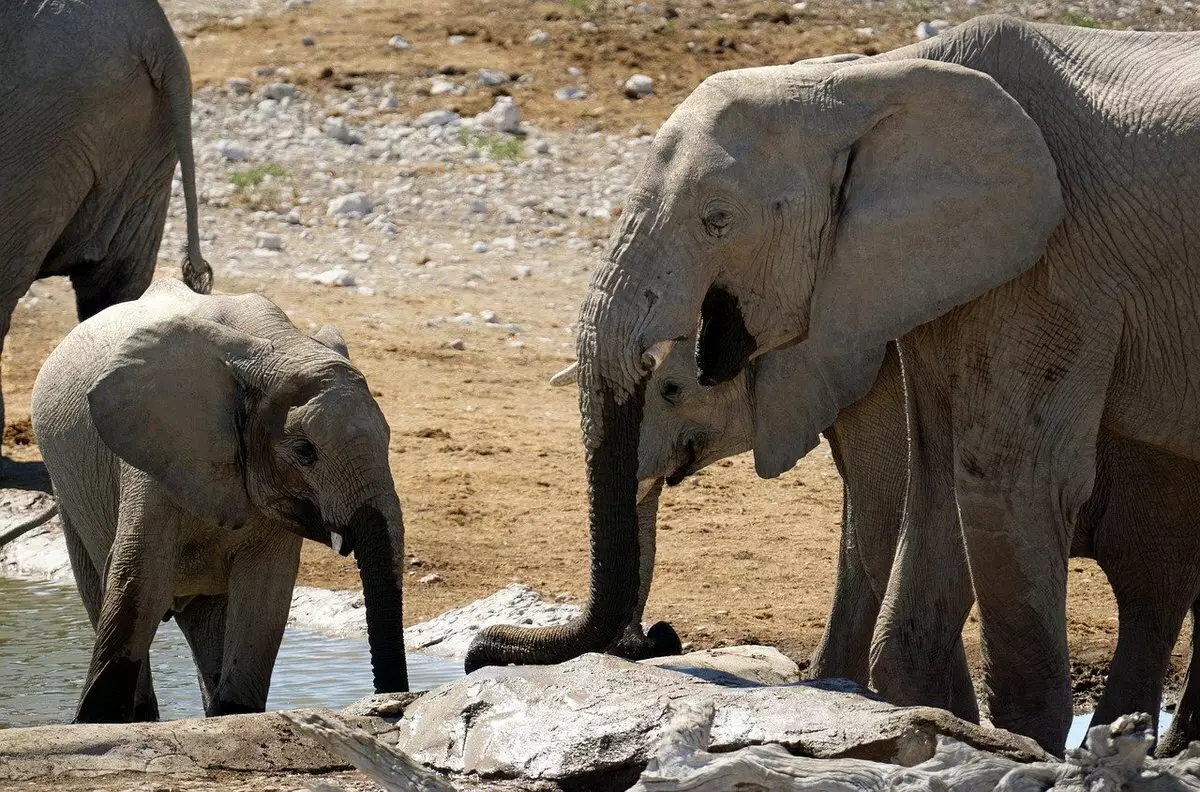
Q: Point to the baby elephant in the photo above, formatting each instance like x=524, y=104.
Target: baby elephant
x=193, y=441
x=1138, y=523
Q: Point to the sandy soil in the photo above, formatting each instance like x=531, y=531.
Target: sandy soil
x=486, y=455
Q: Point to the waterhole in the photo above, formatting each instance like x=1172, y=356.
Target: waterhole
x=46, y=643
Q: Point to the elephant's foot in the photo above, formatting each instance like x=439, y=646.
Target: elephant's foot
x=109, y=695
x=224, y=707
x=660, y=640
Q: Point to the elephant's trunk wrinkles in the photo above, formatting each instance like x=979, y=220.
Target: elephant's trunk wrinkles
x=377, y=531
x=612, y=491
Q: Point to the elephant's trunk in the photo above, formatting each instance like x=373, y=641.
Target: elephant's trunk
x=377, y=533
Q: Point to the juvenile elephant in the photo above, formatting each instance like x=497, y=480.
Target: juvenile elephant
x=95, y=109
x=974, y=197
x=1139, y=523
x=193, y=441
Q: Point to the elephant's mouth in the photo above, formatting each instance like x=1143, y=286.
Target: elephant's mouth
x=689, y=465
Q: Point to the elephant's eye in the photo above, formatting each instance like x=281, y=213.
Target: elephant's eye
x=671, y=392
x=304, y=451
x=716, y=221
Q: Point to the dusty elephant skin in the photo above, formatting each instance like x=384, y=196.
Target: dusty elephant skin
x=810, y=196
x=91, y=135
x=193, y=442
x=608, y=713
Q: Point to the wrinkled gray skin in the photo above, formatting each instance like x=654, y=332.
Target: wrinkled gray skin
x=192, y=442
x=973, y=197
x=89, y=136
x=1139, y=524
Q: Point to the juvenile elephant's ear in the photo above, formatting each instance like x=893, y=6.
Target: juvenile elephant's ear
x=798, y=393
x=166, y=404
x=329, y=336
x=949, y=191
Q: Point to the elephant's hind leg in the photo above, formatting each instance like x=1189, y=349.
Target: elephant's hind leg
x=1185, y=726
x=202, y=623
x=128, y=266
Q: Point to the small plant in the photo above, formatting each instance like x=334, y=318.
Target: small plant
x=260, y=186
x=1079, y=20
x=497, y=147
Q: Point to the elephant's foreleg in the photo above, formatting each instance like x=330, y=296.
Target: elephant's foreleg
x=1185, y=725
x=202, y=623
x=260, y=594
x=137, y=592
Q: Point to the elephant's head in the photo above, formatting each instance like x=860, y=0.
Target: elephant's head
x=837, y=203
x=274, y=423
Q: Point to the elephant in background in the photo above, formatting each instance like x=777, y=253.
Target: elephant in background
x=90, y=133
x=192, y=442
x=969, y=197
x=1139, y=524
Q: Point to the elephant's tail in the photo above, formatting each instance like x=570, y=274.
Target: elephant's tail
x=22, y=528
x=174, y=79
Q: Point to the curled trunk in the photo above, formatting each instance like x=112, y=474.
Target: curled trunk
x=377, y=531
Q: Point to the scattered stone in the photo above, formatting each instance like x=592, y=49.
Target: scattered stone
x=538, y=37
x=523, y=271
x=542, y=146
x=238, y=85
x=351, y=203
x=360, y=254
x=478, y=206
x=570, y=94
x=334, y=277
x=503, y=116
x=389, y=103
x=432, y=577
x=505, y=243
x=399, y=43
x=308, y=41
x=457, y=344
x=491, y=78
x=234, y=152
x=440, y=87
x=278, y=91
x=335, y=127
x=455, y=40
x=267, y=241
x=479, y=247
x=639, y=85
x=489, y=317
x=436, y=118
x=588, y=26
x=927, y=30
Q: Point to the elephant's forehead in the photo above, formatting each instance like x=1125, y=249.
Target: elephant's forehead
x=336, y=412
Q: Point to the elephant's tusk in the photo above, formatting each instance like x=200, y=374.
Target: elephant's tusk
x=657, y=353
x=567, y=376
x=645, y=487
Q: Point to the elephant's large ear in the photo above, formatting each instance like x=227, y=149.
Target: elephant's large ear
x=167, y=403
x=949, y=191
x=331, y=337
x=798, y=393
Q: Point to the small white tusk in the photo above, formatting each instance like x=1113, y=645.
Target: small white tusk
x=645, y=487
x=567, y=376
x=657, y=353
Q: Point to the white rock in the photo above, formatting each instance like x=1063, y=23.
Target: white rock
x=489, y=317
x=389, y=103
x=523, y=271
x=334, y=277
x=479, y=247
x=361, y=254
x=542, y=146
x=503, y=116
x=399, y=43
x=478, y=206
x=432, y=577
x=569, y=94
x=930, y=29
x=457, y=344
x=351, y=203
x=238, y=85
x=434, y=118
x=506, y=243
x=335, y=127
x=268, y=241
x=440, y=87
x=455, y=40
x=639, y=85
x=234, y=152
x=588, y=26
x=277, y=91
x=492, y=77
x=538, y=37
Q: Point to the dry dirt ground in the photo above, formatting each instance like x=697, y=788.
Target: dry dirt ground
x=486, y=455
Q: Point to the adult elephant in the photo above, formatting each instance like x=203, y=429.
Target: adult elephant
x=193, y=441
x=975, y=197
x=95, y=109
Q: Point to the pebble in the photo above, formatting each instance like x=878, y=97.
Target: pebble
x=234, y=152
x=238, y=85
x=588, y=26
x=480, y=247
x=930, y=29
x=503, y=116
x=538, y=37
x=478, y=206
x=334, y=277
x=570, y=93
x=440, y=87
x=523, y=271
x=351, y=203
x=489, y=317
x=492, y=78
x=542, y=146
x=335, y=127
x=639, y=85
x=278, y=91
x=399, y=43
x=389, y=103
x=308, y=41
x=268, y=241
x=436, y=118
x=361, y=254
x=458, y=344
x=455, y=40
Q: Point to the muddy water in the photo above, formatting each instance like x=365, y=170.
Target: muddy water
x=46, y=642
